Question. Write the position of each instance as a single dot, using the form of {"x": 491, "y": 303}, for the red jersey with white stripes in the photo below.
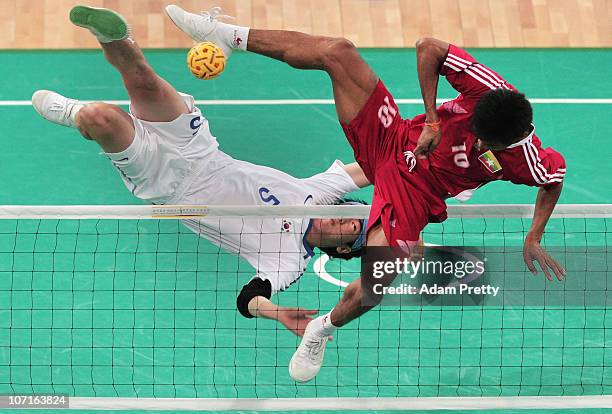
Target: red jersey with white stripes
{"x": 460, "y": 167}
{"x": 410, "y": 192}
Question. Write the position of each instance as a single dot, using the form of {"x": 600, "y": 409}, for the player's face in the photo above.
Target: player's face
{"x": 339, "y": 232}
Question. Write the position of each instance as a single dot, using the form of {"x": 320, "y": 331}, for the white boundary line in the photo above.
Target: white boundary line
{"x": 319, "y": 269}
{"x": 361, "y": 404}
{"x": 411, "y": 101}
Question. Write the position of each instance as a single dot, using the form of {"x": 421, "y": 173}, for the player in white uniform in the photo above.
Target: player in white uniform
{"x": 166, "y": 154}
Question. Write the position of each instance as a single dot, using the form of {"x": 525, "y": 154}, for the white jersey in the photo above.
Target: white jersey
{"x": 179, "y": 162}
{"x": 275, "y": 247}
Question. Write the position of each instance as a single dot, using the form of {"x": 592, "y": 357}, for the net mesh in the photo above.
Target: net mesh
{"x": 146, "y": 308}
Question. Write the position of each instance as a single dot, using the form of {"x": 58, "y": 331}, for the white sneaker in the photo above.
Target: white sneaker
{"x": 200, "y": 27}
{"x": 308, "y": 358}
{"x": 56, "y": 108}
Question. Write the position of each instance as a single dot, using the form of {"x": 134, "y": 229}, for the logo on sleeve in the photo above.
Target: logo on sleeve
{"x": 386, "y": 113}
{"x": 490, "y": 162}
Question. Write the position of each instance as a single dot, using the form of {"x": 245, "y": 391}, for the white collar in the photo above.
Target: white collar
{"x": 524, "y": 140}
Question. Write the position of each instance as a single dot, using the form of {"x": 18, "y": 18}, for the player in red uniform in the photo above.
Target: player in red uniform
{"x": 483, "y": 135}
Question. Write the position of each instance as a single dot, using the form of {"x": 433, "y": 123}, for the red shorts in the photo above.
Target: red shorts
{"x": 405, "y": 194}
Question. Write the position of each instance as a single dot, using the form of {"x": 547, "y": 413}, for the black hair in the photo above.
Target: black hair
{"x": 502, "y": 117}
{"x": 332, "y": 251}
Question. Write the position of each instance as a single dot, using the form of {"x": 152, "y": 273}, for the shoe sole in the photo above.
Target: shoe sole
{"x": 291, "y": 374}
{"x": 299, "y": 380}
{"x": 105, "y": 22}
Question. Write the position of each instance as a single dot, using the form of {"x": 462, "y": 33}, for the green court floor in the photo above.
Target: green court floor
{"x": 149, "y": 311}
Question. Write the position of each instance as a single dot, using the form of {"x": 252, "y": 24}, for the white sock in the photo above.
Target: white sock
{"x": 235, "y": 36}
{"x": 323, "y": 325}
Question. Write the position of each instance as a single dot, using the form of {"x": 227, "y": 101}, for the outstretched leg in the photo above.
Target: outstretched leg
{"x": 108, "y": 125}
{"x": 352, "y": 79}
{"x": 152, "y": 98}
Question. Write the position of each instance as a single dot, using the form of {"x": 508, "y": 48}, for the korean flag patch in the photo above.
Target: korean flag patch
{"x": 286, "y": 228}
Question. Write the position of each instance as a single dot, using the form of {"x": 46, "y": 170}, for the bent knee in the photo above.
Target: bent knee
{"x": 338, "y": 51}
{"x": 96, "y": 116}
{"x": 423, "y": 42}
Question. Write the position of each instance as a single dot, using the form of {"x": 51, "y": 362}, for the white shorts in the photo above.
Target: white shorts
{"x": 166, "y": 157}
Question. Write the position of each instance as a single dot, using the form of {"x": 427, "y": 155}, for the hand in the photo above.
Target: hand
{"x": 533, "y": 251}
{"x": 428, "y": 141}
{"x": 295, "y": 319}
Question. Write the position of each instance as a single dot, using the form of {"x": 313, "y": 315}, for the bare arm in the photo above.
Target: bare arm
{"x": 262, "y": 307}
{"x": 356, "y": 173}
{"x": 545, "y": 204}
{"x": 430, "y": 56}
{"x": 294, "y": 319}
